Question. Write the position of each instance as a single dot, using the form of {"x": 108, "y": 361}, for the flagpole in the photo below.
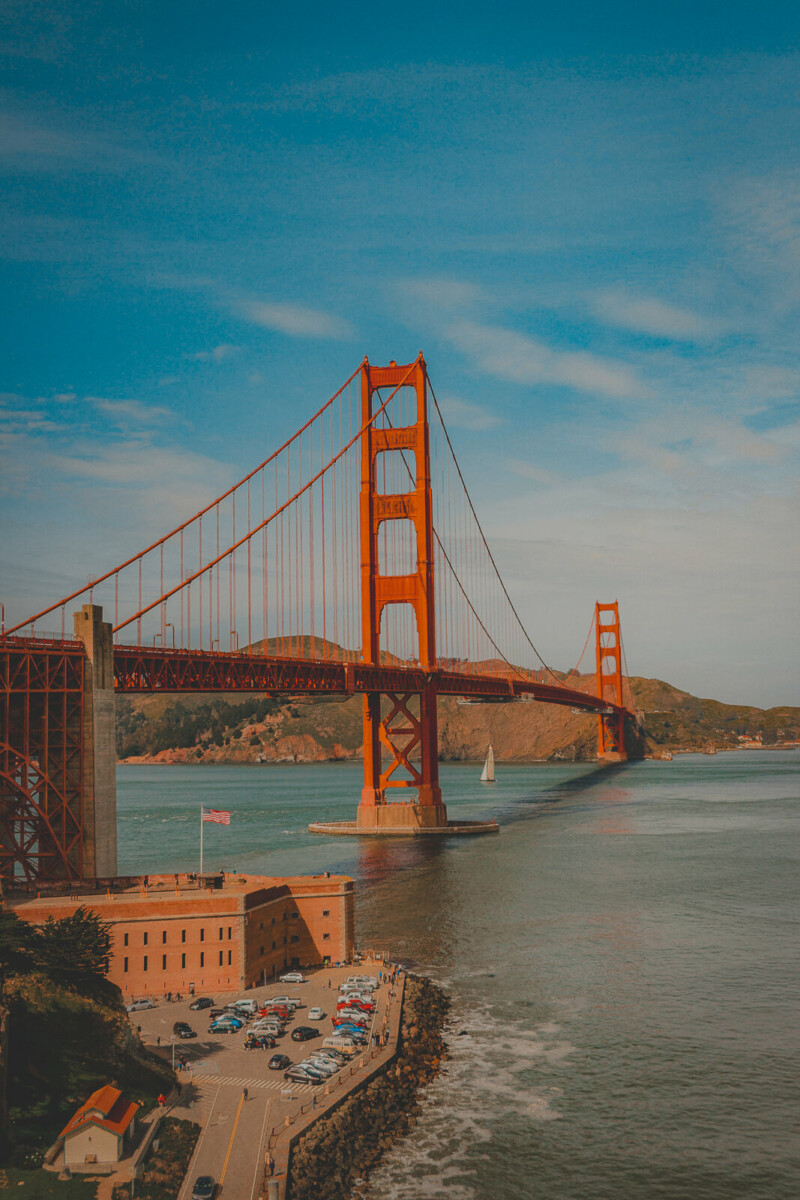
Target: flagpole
{"x": 201, "y": 839}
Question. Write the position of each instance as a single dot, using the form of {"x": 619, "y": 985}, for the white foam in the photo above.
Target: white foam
{"x": 488, "y": 1074}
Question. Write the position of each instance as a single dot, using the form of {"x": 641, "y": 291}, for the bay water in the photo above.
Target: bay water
{"x": 622, "y": 960}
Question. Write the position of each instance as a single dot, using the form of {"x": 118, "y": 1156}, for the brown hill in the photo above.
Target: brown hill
{"x": 257, "y": 728}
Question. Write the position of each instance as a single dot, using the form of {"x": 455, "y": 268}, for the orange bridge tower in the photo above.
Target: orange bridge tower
{"x": 611, "y": 723}
{"x": 400, "y": 729}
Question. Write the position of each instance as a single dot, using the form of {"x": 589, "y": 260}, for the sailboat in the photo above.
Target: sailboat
{"x": 487, "y": 774}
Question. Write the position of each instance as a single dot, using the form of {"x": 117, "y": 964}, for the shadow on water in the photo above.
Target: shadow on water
{"x": 379, "y": 859}
{"x": 570, "y": 789}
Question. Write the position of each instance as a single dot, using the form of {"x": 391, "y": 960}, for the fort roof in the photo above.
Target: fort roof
{"x": 147, "y": 889}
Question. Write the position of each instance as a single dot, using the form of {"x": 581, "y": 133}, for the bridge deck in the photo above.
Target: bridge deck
{"x": 142, "y": 670}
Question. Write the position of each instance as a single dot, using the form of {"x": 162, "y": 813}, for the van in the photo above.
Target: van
{"x": 340, "y": 1043}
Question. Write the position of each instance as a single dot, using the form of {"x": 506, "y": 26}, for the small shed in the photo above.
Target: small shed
{"x": 102, "y": 1130}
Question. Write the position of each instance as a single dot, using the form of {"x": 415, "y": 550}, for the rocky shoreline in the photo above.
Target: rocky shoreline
{"x": 339, "y": 1151}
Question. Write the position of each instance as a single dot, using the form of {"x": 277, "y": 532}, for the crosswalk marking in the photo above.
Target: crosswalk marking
{"x": 267, "y": 1084}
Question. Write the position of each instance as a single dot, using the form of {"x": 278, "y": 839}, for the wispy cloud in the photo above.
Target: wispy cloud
{"x": 463, "y": 415}
{"x": 443, "y": 293}
{"x": 294, "y": 319}
{"x": 529, "y": 470}
{"x": 130, "y": 412}
{"x": 28, "y": 144}
{"x": 507, "y": 354}
{"x": 645, "y": 314}
{"x": 217, "y": 355}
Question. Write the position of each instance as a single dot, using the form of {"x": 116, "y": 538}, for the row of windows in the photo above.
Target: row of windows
{"x": 145, "y": 935}
{"x": 286, "y": 917}
{"x": 145, "y": 961}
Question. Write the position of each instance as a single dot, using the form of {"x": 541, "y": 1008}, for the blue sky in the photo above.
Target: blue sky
{"x": 587, "y": 217}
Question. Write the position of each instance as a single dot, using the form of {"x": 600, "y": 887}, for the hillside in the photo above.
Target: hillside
{"x": 67, "y": 1031}
{"x": 257, "y": 728}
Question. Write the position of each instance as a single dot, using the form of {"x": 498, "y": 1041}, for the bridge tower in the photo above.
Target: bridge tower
{"x": 399, "y": 727}
{"x": 610, "y": 726}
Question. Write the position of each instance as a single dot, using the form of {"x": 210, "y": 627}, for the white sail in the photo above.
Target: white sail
{"x": 487, "y": 775}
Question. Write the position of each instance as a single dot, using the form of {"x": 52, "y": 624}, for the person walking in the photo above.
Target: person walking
{"x": 244, "y": 1093}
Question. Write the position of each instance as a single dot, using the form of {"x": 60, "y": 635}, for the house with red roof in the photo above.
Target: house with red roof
{"x": 102, "y": 1130}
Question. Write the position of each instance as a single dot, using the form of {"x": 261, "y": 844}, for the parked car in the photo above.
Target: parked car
{"x": 319, "y": 1056}
{"x": 138, "y": 1005}
{"x": 363, "y": 1006}
{"x": 246, "y": 1006}
{"x": 316, "y": 1014}
{"x": 201, "y": 1002}
{"x": 216, "y": 1012}
{"x": 205, "y": 1188}
{"x": 279, "y": 1062}
{"x": 292, "y": 977}
{"x": 277, "y": 1010}
{"x": 226, "y": 1025}
{"x": 334, "y": 1053}
{"x": 358, "y": 1022}
{"x": 355, "y": 1036}
{"x": 302, "y": 1075}
{"x": 304, "y": 1033}
{"x": 324, "y": 1069}
{"x": 288, "y": 1001}
{"x": 182, "y": 1030}
{"x": 342, "y": 1045}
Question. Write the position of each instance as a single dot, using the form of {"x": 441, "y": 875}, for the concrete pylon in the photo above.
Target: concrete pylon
{"x": 99, "y": 745}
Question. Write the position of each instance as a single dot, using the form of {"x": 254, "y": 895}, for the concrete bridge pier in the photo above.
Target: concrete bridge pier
{"x": 99, "y": 745}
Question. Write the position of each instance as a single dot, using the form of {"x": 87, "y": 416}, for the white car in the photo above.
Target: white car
{"x": 246, "y": 1006}
{"x": 323, "y": 1068}
{"x": 138, "y": 1005}
{"x": 287, "y": 1001}
{"x": 292, "y": 977}
{"x": 316, "y": 1014}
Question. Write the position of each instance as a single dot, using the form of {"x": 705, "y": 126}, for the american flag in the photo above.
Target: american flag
{"x": 218, "y": 815}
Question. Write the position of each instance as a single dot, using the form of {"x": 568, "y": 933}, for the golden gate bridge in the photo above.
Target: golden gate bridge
{"x": 351, "y": 561}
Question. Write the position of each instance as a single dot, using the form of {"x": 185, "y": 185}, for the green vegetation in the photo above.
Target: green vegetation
{"x": 676, "y": 720}
{"x": 183, "y": 726}
{"x": 68, "y": 1030}
{"x": 42, "y": 1185}
{"x": 166, "y": 1167}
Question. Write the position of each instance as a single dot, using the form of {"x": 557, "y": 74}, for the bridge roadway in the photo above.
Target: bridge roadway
{"x": 141, "y": 669}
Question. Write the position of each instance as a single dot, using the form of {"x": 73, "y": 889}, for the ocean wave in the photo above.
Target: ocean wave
{"x": 485, "y": 1079}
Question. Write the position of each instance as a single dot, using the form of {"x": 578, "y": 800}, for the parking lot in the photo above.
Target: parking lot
{"x": 219, "y": 1069}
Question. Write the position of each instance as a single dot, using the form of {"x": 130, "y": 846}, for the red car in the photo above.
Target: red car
{"x": 354, "y": 1007}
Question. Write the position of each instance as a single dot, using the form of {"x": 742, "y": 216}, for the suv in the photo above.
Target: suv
{"x": 182, "y": 1029}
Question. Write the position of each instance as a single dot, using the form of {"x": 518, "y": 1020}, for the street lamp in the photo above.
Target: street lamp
{"x": 169, "y": 625}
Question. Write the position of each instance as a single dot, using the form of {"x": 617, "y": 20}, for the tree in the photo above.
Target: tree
{"x": 75, "y": 949}
{"x": 17, "y": 942}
